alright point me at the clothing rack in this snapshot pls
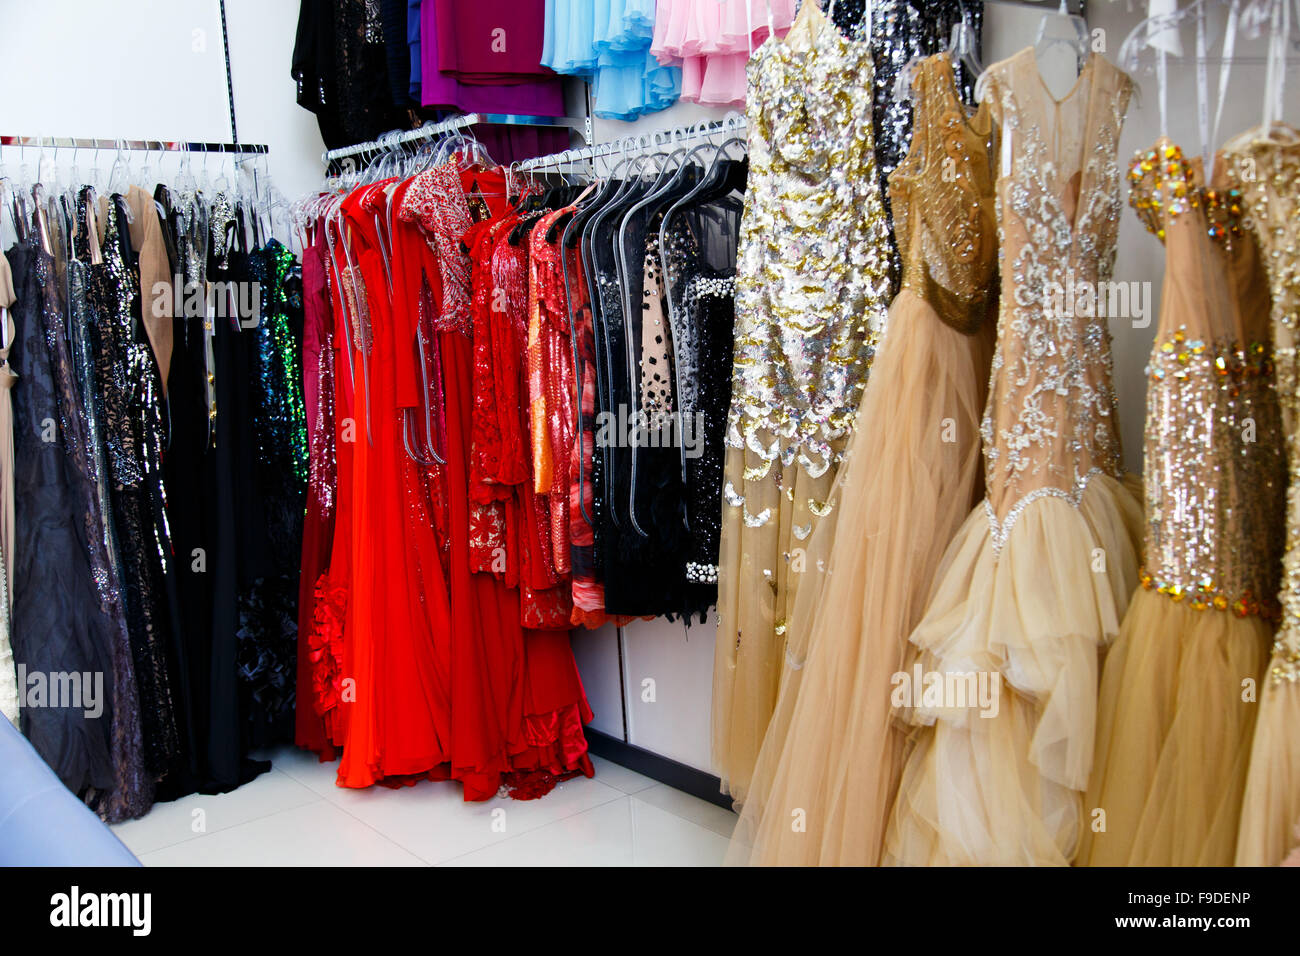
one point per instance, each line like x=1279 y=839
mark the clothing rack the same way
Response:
x=150 y=145
x=450 y=125
x=733 y=123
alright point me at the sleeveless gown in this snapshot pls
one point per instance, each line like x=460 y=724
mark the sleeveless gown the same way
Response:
x=812 y=285
x=831 y=748
x=1267 y=168
x=1173 y=723
x=1039 y=576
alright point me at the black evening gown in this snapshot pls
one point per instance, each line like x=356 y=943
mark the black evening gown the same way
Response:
x=129 y=400
x=58 y=624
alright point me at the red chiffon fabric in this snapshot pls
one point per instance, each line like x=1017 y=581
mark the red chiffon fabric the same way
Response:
x=437 y=642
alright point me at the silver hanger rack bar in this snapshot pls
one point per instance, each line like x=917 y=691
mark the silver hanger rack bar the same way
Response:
x=450 y=125
x=658 y=139
x=152 y=145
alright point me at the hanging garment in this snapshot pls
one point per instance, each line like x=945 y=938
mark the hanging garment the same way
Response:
x=608 y=43
x=1037 y=579
x=810 y=303
x=311 y=730
x=491 y=42
x=911 y=476
x=712 y=41
x=340 y=68
x=1265 y=166
x=540 y=96
x=8 y=677
x=55 y=518
x=1173 y=724
x=903 y=31
x=268 y=622
x=130 y=394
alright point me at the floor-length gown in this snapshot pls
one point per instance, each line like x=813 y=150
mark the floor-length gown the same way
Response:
x=8 y=676
x=129 y=398
x=400 y=721
x=310 y=729
x=1174 y=722
x=58 y=627
x=911 y=476
x=1038 y=578
x=1266 y=167
x=811 y=294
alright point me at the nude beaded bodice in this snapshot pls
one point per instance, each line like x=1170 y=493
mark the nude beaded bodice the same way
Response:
x=1050 y=423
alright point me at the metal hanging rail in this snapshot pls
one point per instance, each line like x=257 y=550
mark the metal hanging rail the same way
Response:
x=450 y=125
x=734 y=123
x=150 y=145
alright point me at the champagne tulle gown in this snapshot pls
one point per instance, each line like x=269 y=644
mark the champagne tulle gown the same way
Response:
x=911 y=475
x=811 y=292
x=1038 y=578
x=1178 y=704
x=1267 y=168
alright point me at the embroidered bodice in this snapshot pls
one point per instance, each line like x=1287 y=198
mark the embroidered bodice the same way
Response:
x=1050 y=422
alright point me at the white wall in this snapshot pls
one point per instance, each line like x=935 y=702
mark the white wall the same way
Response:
x=153 y=69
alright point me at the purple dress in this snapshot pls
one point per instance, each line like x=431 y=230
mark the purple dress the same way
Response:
x=539 y=97
x=491 y=41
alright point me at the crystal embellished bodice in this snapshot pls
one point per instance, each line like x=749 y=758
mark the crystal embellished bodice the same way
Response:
x=942 y=196
x=1266 y=169
x=1214 y=477
x=813 y=267
x=1050 y=422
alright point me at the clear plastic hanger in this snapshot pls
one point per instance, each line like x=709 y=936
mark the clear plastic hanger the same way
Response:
x=1070 y=30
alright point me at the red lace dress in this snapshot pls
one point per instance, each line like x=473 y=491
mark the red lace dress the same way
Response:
x=517 y=696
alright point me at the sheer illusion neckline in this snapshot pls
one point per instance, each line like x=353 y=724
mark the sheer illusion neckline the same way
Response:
x=1075 y=87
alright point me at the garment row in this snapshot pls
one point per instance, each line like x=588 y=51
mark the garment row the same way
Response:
x=153 y=492
x=1127 y=652
x=365 y=68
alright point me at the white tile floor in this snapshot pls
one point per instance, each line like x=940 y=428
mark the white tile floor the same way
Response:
x=295 y=816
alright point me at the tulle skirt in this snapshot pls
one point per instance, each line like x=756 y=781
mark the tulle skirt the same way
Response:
x=757 y=581
x=1002 y=783
x=1174 y=724
x=829 y=764
x=1270 y=813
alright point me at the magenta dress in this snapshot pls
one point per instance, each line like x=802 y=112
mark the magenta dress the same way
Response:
x=540 y=96
x=491 y=42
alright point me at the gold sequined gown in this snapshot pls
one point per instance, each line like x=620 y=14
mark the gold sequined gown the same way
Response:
x=1037 y=580
x=1267 y=169
x=832 y=751
x=1178 y=693
x=811 y=294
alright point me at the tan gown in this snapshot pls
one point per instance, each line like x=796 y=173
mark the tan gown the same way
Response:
x=1268 y=172
x=1178 y=694
x=811 y=294
x=829 y=764
x=1038 y=578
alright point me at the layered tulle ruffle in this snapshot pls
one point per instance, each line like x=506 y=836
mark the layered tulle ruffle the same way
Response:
x=1003 y=784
